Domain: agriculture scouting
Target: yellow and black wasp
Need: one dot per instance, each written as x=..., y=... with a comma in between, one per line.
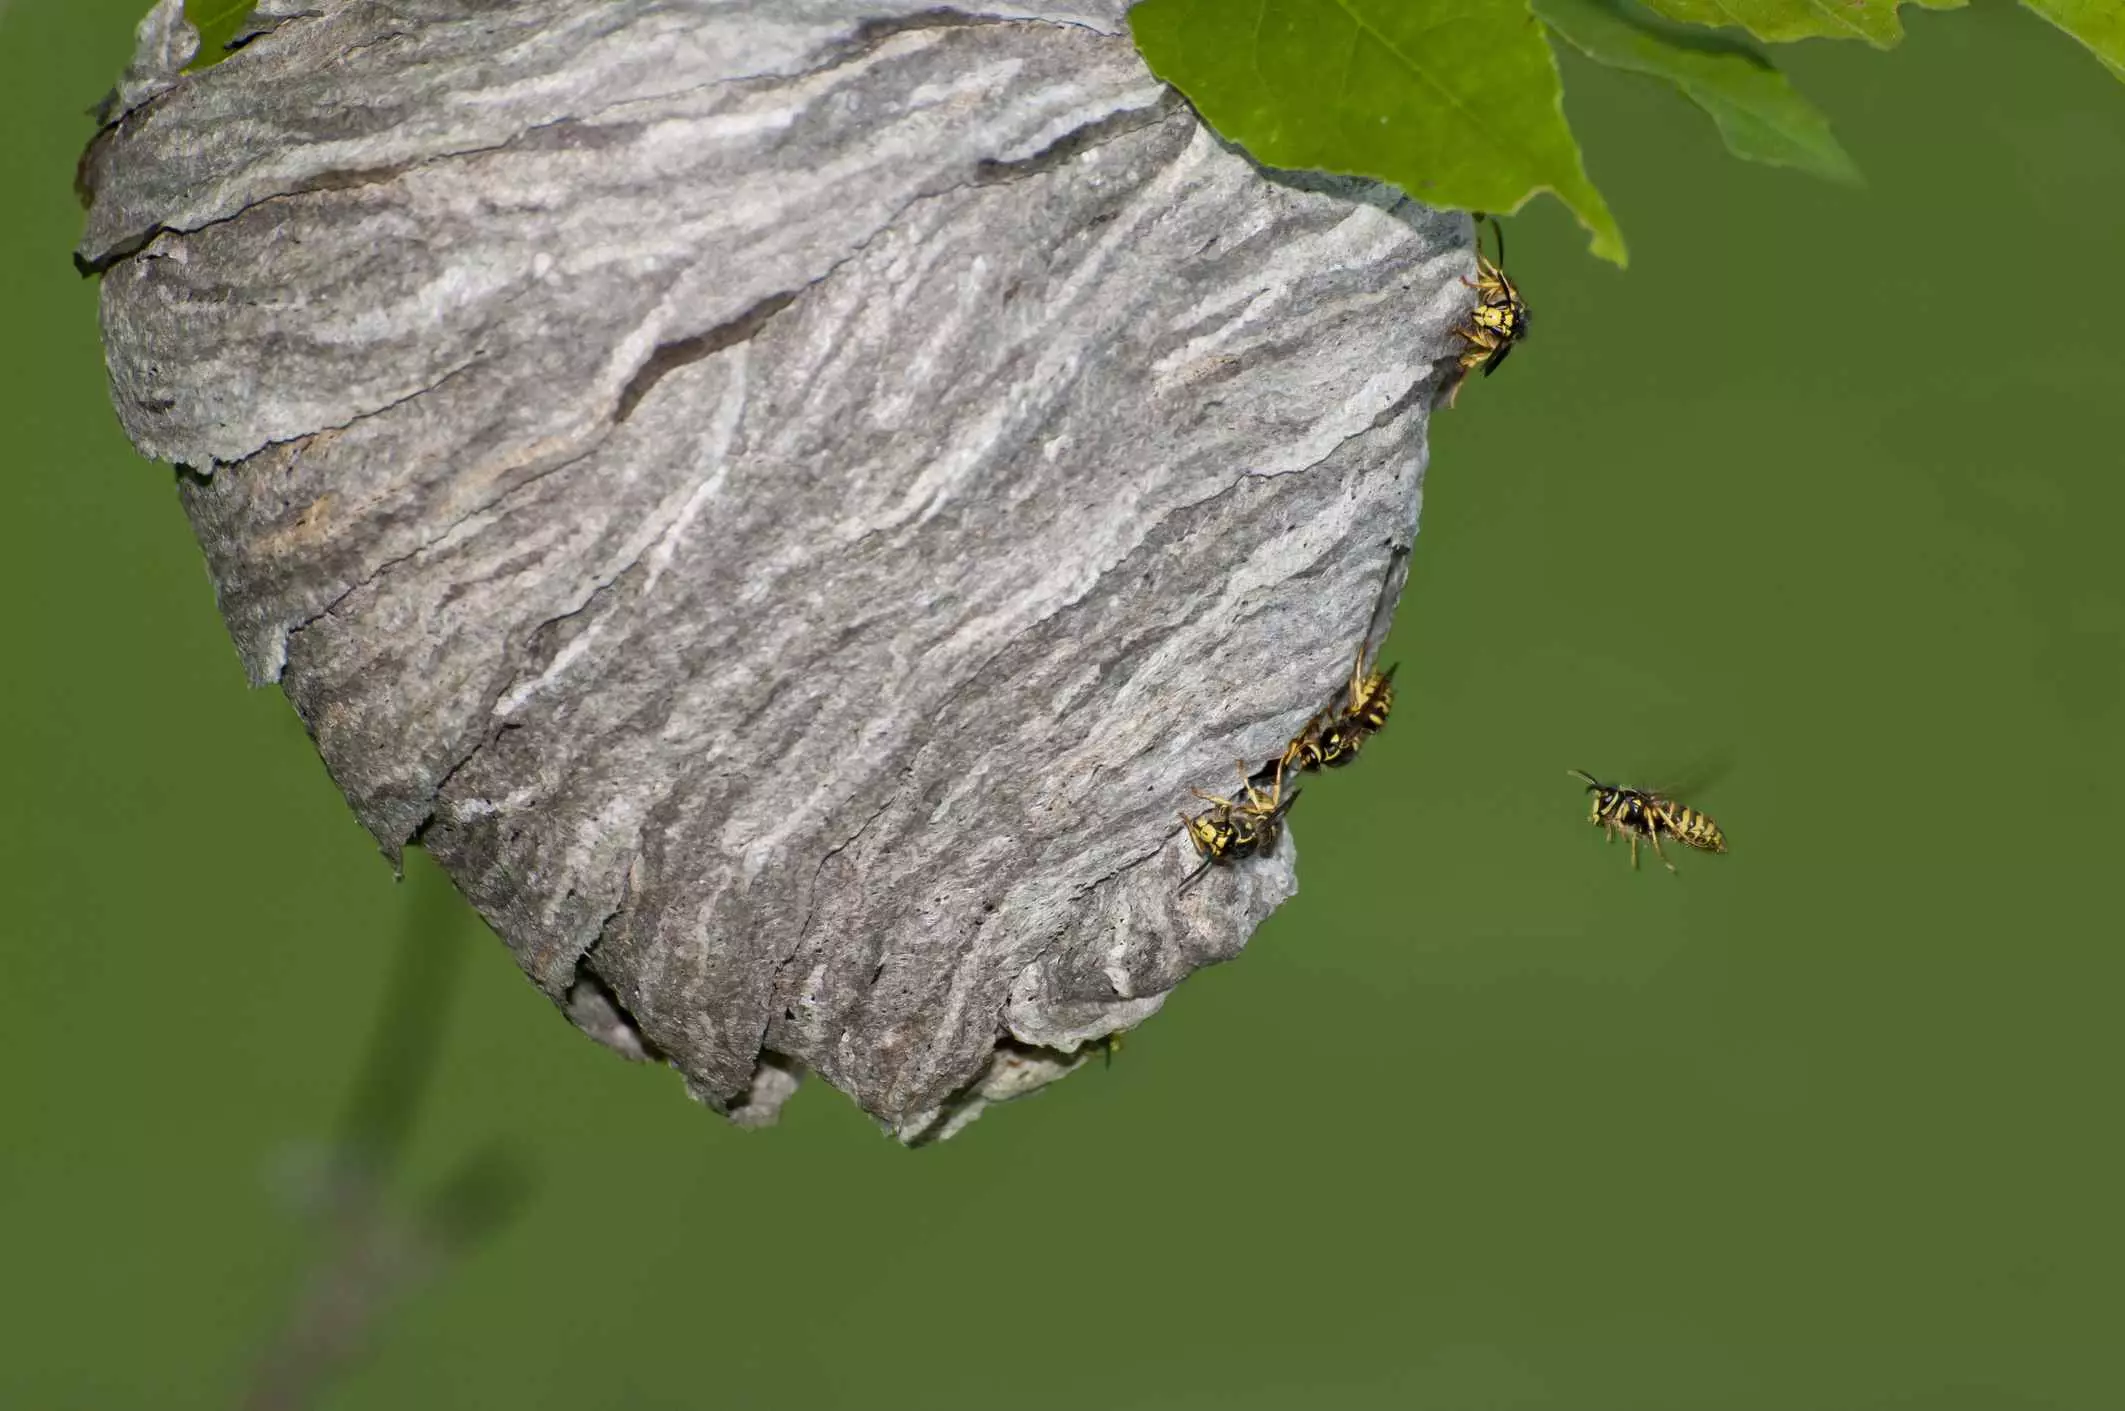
x=1229, y=831
x=1334, y=735
x=1641, y=813
x=1499, y=319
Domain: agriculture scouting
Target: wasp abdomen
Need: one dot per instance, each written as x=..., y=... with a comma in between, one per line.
x=1693, y=828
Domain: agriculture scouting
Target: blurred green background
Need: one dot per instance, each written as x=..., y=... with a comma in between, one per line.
x=1825, y=486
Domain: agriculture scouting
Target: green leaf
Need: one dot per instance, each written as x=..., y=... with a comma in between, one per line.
x=217, y=22
x=1782, y=20
x=1455, y=101
x=2099, y=24
x=1758, y=114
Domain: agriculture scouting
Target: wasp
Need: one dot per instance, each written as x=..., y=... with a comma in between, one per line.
x=1229, y=831
x=1333, y=736
x=1499, y=319
x=1637, y=813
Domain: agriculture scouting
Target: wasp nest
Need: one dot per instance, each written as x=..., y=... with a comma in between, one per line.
x=779, y=500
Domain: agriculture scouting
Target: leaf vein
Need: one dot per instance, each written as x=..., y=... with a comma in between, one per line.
x=1453, y=99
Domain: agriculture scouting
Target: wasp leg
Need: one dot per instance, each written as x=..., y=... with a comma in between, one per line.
x=1291, y=751
x=1659, y=852
x=1276, y=815
x=1634, y=852
x=1453, y=391
x=1257, y=801
x=1265, y=804
x=1286, y=752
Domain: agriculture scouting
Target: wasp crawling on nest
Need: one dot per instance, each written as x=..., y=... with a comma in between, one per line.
x=1334, y=735
x=1229, y=830
x=1499, y=319
x=1235, y=829
x=1640, y=813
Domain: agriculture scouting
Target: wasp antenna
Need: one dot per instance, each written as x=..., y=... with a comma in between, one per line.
x=1591, y=781
x=1499, y=231
x=1192, y=878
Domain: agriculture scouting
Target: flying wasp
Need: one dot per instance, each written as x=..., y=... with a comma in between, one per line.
x=1334, y=735
x=1229, y=831
x=1499, y=319
x=1638, y=813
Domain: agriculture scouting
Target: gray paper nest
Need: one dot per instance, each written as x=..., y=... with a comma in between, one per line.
x=780, y=501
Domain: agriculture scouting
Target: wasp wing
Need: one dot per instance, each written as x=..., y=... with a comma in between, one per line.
x=1694, y=779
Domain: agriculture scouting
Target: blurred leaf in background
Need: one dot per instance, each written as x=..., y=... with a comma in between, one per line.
x=1779, y=21
x=373, y=1246
x=1759, y=114
x=2099, y=24
x=217, y=22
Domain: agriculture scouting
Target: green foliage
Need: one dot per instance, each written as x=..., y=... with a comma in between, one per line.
x=217, y=22
x=1758, y=113
x=1456, y=101
x=1781, y=21
x=1459, y=102
x=2099, y=24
